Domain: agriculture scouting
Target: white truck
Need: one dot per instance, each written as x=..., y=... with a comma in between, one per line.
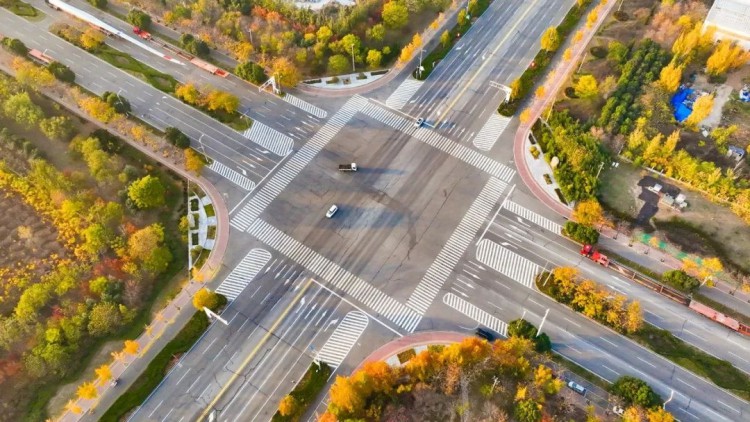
x=348, y=167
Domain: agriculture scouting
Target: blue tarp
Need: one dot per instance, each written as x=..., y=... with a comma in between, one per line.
x=745, y=95
x=681, y=111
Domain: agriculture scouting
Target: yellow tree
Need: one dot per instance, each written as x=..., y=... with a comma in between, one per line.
x=658, y=414
x=32, y=75
x=592, y=17
x=97, y=109
x=633, y=317
x=550, y=39
x=103, y=373
x=188, y=93
x=222, y=100
x=689, y=266
x=288, y=406
x=546, y=381
x=671, y=76
x=91, y=39
x=285, y=72
x=73, y=407
x=726, y=56
x=578, y=36
x=87, y=391
x=205, y=298
x=701, y=109
x=588, y=212
x=586, y=87
x=634, y=414
x=194, y=161
x=345, y=397
x=525, y=116
x=710, y=267
x=540, y=91
x=131, y=347
x=568, y=54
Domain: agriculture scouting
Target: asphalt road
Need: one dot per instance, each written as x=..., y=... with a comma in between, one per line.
x=412, y=216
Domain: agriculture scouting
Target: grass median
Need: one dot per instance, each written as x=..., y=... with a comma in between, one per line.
x=305, y=392
x=157, y=369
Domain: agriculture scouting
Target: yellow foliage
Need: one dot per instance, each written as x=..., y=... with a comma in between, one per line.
x=726, y=56
x=568, y=54
x=97, y=109
x=131, y=347
x=701, y=109
x=671, y=76
x=540, y=91
x=592, y=17
x=588, y=212
x=586, y=87
x=287, y=406
x=73, y=407
x=578, y=36
x=194, y=161
x=550, y=40
x=87, y=391
x=525, y=116
x=188, y=93
x=32, y=75
x=91, y=38
x=103, y=373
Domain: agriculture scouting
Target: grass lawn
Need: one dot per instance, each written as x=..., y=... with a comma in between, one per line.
x=124, y=61
x=306, y=391
x=23, y=9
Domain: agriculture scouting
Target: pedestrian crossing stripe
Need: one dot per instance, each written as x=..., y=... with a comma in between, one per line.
x=279, y=181
x=269, y=138
x=232, y=175
x=491, y=131
x=338, y=346
x=244, y=273
x=533, y=217
x=340, y=278
x=305, y=106
x=433, y=280
x=403, y=93
x=477, y=314
x=436, y=140
x=507, y=262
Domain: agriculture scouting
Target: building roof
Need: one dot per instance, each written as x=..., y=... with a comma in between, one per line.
x=731, y=17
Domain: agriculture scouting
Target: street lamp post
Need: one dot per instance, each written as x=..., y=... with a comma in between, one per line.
x=353, y=70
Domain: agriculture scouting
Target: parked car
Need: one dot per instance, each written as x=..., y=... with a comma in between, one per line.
x=332, y=211
x=578, y=388
x=485, y=334
x=618, y=410
x=419, y=122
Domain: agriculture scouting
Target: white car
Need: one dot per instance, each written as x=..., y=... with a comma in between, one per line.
x=419, y=122
x=332, y=211
x=578, y=388
x=618, y=410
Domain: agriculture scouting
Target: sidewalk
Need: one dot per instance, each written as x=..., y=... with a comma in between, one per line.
x=171, y=319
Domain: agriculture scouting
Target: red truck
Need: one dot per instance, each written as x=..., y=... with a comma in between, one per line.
x=594, y=255
x=141, y=33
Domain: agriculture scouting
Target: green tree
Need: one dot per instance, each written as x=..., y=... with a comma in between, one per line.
x=116, y=101
x=139, y=18
x=251, y=71
x=16, y=46
x=146, y=246
x=635, y=392
x=175, y=137
x=351, y=45
x=550, y=40
x=461, y=19
x=100, y=4
x=338, y=64
x=147, y=192
x=680, y=280
x=104, y=319
x=617, y=52
x=395, y=14
x=57, y=128
x=62, y=72
x=91, y=38
x=586, y=87
x=32, y=300
x=22, y=110
x=222, y=101
x=374, y=57
x=445, y=39
x=376, y=33
x=527, y=411
x=324, y=34
x=195, y=45
x=96, y=237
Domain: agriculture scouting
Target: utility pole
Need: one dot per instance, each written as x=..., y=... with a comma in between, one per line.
x=353, y=59
x=539, y=331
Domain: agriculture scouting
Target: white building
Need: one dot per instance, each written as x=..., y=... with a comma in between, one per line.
x=731, y=19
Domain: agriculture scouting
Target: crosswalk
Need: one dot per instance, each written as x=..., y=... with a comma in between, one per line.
x=244, y=273
x=269, y=138
x=342, y=279
x=433, y=280
x=533, y=217
x=305, y=106
x=232, y=175
x=507, y=262
x=342, y=340
x=403, y=93
x=436, y=140
x=477, y=314
x=276, y=184
x=491, y=131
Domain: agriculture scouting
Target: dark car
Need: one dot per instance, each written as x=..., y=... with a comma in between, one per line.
x=485, y=334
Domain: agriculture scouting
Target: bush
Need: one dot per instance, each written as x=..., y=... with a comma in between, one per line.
x=599, y=52
x=139, y=18
x=117, y=101
x=621, y=16
x=16, y=46
x=175, y=137
x=635, y=391
x=306, y=391
x=195, y=45
x=534, y=151
x=252, y=72
x=62, y=72
x=100, y=4
x=680, y=280
x=524, y=329
x=581, y=233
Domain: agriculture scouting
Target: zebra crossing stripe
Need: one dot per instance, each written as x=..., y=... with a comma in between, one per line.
x=276, y=184
x=436, y=140
x=305, y=106
x=269, y=138
x=533, y=217
x=337, y=347
x=433, y=280
x=507, y=262
x=403, y=93
x=491, y=131
x=244, y=273
x=477, y=314
x=340, y=278
x=232, y=175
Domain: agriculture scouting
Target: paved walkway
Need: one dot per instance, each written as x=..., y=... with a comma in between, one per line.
x=411, y=341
